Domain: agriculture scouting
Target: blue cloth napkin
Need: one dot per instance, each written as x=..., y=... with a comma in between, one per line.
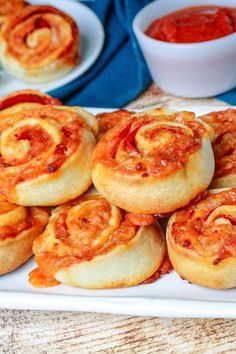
x=120, y=73
x=229, y=97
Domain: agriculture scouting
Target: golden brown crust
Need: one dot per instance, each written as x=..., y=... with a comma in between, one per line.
x=201, y=240
x=93, y=244
x=39, y=44
x=19, y=227
x=8, y=7
x=108, y=120
x=153, y=164
x=45, y=154
x=224, y=147
x=25, y=99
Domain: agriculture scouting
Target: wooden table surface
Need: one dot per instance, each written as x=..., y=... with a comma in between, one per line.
x=67, y=332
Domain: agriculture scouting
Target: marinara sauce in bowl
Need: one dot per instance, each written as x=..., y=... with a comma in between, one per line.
x=189, y=46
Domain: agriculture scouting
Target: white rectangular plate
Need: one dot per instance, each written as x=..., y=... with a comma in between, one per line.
x=170, y=296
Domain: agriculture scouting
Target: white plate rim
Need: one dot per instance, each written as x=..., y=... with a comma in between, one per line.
x=133, y=306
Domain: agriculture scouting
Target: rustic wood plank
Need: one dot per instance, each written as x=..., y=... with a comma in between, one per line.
x=155, y=96
x=62, y=332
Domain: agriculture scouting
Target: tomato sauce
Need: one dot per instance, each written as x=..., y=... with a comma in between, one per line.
x=7, y=231
x=66, y=252
x=27, y=98
x=118, y=149
x=194, y=24
x=224, y=145
x=109, y=120
x=214, y=240
x=165, y=268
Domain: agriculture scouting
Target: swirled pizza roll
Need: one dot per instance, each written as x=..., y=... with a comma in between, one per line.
x=91, y=243
x=45, y=154
x=154, y=164
x=224, y=147
x=201, y=240
x=23, y=99
x=108, y=120
x=19, y=226
x=39, y=44
x=8, y=7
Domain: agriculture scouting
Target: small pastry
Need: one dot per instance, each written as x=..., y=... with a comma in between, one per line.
x=224, y=147
x=108, y=120
x=201, y=240
x=154, y=163
x=19, y=226
x=91, y=243
x=23, y=99
x=39, y=44
x=45, y=154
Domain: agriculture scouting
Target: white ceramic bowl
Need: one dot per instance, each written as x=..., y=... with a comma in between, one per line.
x=190, y=70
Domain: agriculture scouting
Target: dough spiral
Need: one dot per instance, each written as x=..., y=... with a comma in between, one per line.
x=45, y=154
x=91, y=243
x=39, y=44
x=154, y=164
x=19, y=226
x=108, y=120
x=224, y=147
x=201, y=240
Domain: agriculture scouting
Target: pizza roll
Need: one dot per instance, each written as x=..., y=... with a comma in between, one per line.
x=39, y=44
x=8, y=7
x=108, y=120
x=91, y=243
x=45, y=154
x=19, y=226
x=154, y=164
x=23, y=99
x=224, y=147
x=201, y=240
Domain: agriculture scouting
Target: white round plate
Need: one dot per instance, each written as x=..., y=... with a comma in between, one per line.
x=91, y=43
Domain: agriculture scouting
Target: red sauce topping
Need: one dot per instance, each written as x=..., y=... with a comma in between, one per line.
x=213, y=239
x=25, y=22
x=165, y=268
x=27, y=98
x=224, y=145
x=12, y=231
x=72, y=247
x=108, y=120
x=38, y=138
x=41, y=157
x=7, y=7
x=140, y=219
x=10, y=228
x=194, y=24
x=39, y=280
x=119, y=148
